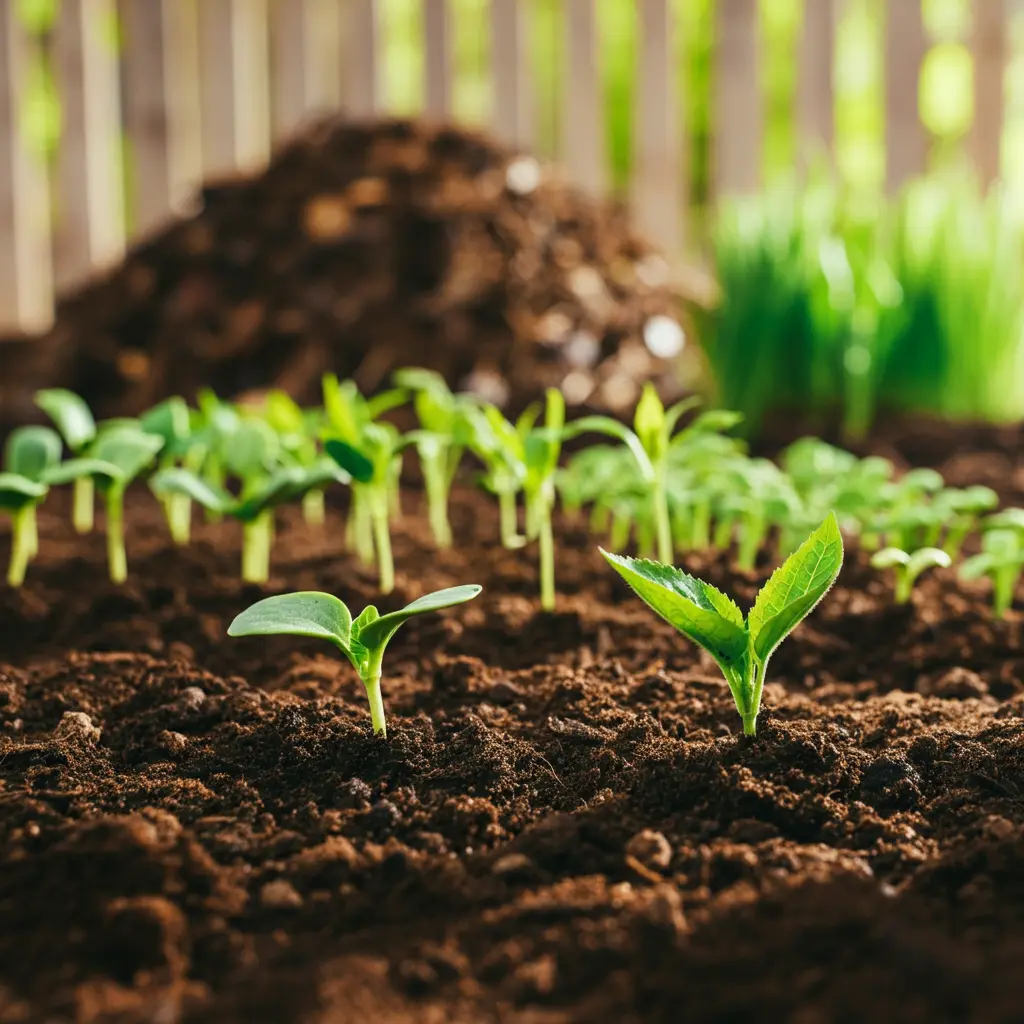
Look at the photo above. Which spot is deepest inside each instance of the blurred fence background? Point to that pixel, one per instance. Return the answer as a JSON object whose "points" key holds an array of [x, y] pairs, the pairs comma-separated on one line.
{"points": [[112, 111]]}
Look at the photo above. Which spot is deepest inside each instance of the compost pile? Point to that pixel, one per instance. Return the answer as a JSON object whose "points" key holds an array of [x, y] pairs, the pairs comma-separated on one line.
{"points": [[361, 248]]}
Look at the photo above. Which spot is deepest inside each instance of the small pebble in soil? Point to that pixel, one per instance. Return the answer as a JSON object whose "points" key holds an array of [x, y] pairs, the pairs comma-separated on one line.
{"points": [[651, 849], [280, 895], [191, 698], [76, 727], [172, 743], [354, 793], [886, 771]]}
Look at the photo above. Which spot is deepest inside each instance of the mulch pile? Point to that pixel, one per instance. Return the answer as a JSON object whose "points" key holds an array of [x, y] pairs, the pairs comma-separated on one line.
{"points": [[361, 248]]}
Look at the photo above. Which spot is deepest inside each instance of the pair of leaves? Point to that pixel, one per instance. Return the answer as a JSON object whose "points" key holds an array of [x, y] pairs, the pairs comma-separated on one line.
{"points": [[711, 619]]}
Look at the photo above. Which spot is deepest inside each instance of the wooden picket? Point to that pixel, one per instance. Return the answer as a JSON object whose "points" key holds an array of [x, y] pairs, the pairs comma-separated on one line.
{"points": [[206, 87]]}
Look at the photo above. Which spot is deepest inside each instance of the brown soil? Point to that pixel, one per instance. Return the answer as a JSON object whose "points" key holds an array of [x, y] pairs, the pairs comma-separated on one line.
{"points": [[563, 823]]}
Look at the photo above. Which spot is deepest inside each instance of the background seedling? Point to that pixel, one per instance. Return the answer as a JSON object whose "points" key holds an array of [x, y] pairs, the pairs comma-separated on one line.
{"points": [[297, 430], [74, 420], [712, 620], [907, 568], [1002, 561], [361, 640], [171, 422]]}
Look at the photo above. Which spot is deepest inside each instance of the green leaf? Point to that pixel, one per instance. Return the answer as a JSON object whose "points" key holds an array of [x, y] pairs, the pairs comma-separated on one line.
{"points": [[351, 459], [340, 408], [649, 422], [701, 613], [889, 558], [927, 558], [713, 421], [284, 414], [554, 409], [130, 450], [182, 481], [169, 421], [377, 633], [70, 415], [76, 469], [613, 428], [415, 378], [306, 613], [796, 587], [385, 402], [251, 449], [30, 451], [17, 491]]}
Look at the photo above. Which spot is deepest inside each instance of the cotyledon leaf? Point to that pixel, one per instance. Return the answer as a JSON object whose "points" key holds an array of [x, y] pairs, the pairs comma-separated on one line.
{"points": [[306, 613], [377, 632]]}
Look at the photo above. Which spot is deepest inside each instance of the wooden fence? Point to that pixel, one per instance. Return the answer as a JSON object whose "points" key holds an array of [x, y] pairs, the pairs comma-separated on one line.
{"points": [[187, 89]]}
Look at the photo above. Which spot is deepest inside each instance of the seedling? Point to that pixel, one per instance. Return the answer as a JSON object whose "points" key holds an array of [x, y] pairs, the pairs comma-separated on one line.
{"points": [[907, 568], [1002, 561], [117, 456], [713, 621], [171, 422], [297, 431], [72, 418], [1006, 519], [29, 454], [964, 508], [361, 640]]}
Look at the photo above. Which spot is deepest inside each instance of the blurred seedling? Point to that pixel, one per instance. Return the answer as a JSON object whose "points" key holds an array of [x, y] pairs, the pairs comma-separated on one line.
{"points": [[907, 568]]}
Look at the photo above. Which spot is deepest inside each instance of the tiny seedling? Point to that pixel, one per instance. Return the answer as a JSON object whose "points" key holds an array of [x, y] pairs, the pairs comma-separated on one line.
{"points": [[1002, 561], [30, 453], [297, 430], [713, 621], [362, 640], [73, 419], [964, 507], [171, 421], [907, 568]]}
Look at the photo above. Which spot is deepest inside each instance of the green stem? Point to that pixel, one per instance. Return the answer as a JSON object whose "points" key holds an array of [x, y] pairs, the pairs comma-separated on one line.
{"points": [[600, 518], [117, 558], [752, 536], [83, 500], [437, 503], [382, 540], [373, 694], [256, 542], [749, 713], [700, 525], [547, 560], [313, 509], [178, 509], [362, 531], [662, 523], [904, 585], [31, 531], [618, 536], [509, 518], [20, 544], [1004, 580]]}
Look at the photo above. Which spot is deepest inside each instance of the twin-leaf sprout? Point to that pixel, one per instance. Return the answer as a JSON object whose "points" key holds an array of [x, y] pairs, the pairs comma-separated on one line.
{"points": [[908, 567], [712, 620], [362, 640]]}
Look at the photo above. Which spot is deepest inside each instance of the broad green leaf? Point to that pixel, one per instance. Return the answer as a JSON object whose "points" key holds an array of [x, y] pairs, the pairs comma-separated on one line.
{"points": [[796, 587], [75, 469], [415, 378], [377, 633], [17, 491], [30, 451], [251, 449], [169, 421], [306, 613], [70, 414], [351, 459], [339, 408], [130, 450], [927, 558], [687, 604], [182, 481]]}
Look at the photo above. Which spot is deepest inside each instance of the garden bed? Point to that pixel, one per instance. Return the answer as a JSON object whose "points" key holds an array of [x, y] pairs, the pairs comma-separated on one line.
{"points": [[563, 822]]}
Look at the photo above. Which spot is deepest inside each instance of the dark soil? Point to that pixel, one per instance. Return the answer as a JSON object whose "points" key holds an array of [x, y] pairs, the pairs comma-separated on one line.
{"points": [[563, 823]]}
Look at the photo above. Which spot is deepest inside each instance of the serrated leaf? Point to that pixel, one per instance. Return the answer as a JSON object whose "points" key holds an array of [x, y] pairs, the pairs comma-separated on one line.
{"points": [[306, 613], [699, 612], [31, 451], [377, 633], [796, 587], [70, 414]]}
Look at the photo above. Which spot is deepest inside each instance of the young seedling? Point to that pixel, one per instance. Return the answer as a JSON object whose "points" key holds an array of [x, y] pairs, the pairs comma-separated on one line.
{"points": [[117, 456], [713, 621], [362, 640], [907, 568], [440, 442], [171, 422], [1002, 561], [73, 419], [297, 431], [963, 508], [29, 454]]}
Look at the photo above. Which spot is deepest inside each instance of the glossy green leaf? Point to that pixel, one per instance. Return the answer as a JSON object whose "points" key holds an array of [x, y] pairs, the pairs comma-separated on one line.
{"points": [[70, 415], [31, 451], [376, 633], [306, 613], [796, 587], [701, 613]]}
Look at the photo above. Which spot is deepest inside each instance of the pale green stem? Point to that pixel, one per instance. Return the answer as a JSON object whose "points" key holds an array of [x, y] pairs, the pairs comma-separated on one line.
{"points": [[749, 713], [750, 542], [437, 503], [313, 508], [117, 559], [20, 544], [662, 524], [361, 539], [509, 523], [31, 531], [700, 525], [370, 672], [600, 518], [904, 585], [1004, 580], [547, 560], [618, 536], [256, 542], [178, 508], [83, 501], [382, 542]]}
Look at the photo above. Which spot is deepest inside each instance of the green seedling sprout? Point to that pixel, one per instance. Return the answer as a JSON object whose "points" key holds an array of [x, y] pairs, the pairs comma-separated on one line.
{"points": [[29, 455], [713, 621], [117, 456], [361, 640], [592, 474], [907, 568], [1002, 561], [964, 507], [171, 421], [440, 442], [76, 425], [371, 453], [297, 431], [1005, 519]]}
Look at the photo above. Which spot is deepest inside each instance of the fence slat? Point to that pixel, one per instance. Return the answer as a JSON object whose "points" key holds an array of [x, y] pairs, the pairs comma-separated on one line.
{"points": [[815, 88], [583, 145], [89, 231], [361, 31], [26, 280], [906, 143], [990, 45], [234, 61], [161, 106], [660, 180], [438, 56], [510, 67], [737, 157]]}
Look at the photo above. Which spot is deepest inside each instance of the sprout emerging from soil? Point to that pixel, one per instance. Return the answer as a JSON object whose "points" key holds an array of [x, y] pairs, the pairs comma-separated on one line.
{"points": [[361, 640], [297, 430], [30, 453], [907, 568], [1002, 561], [171, 422], [72, 417], [712, 620]]}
